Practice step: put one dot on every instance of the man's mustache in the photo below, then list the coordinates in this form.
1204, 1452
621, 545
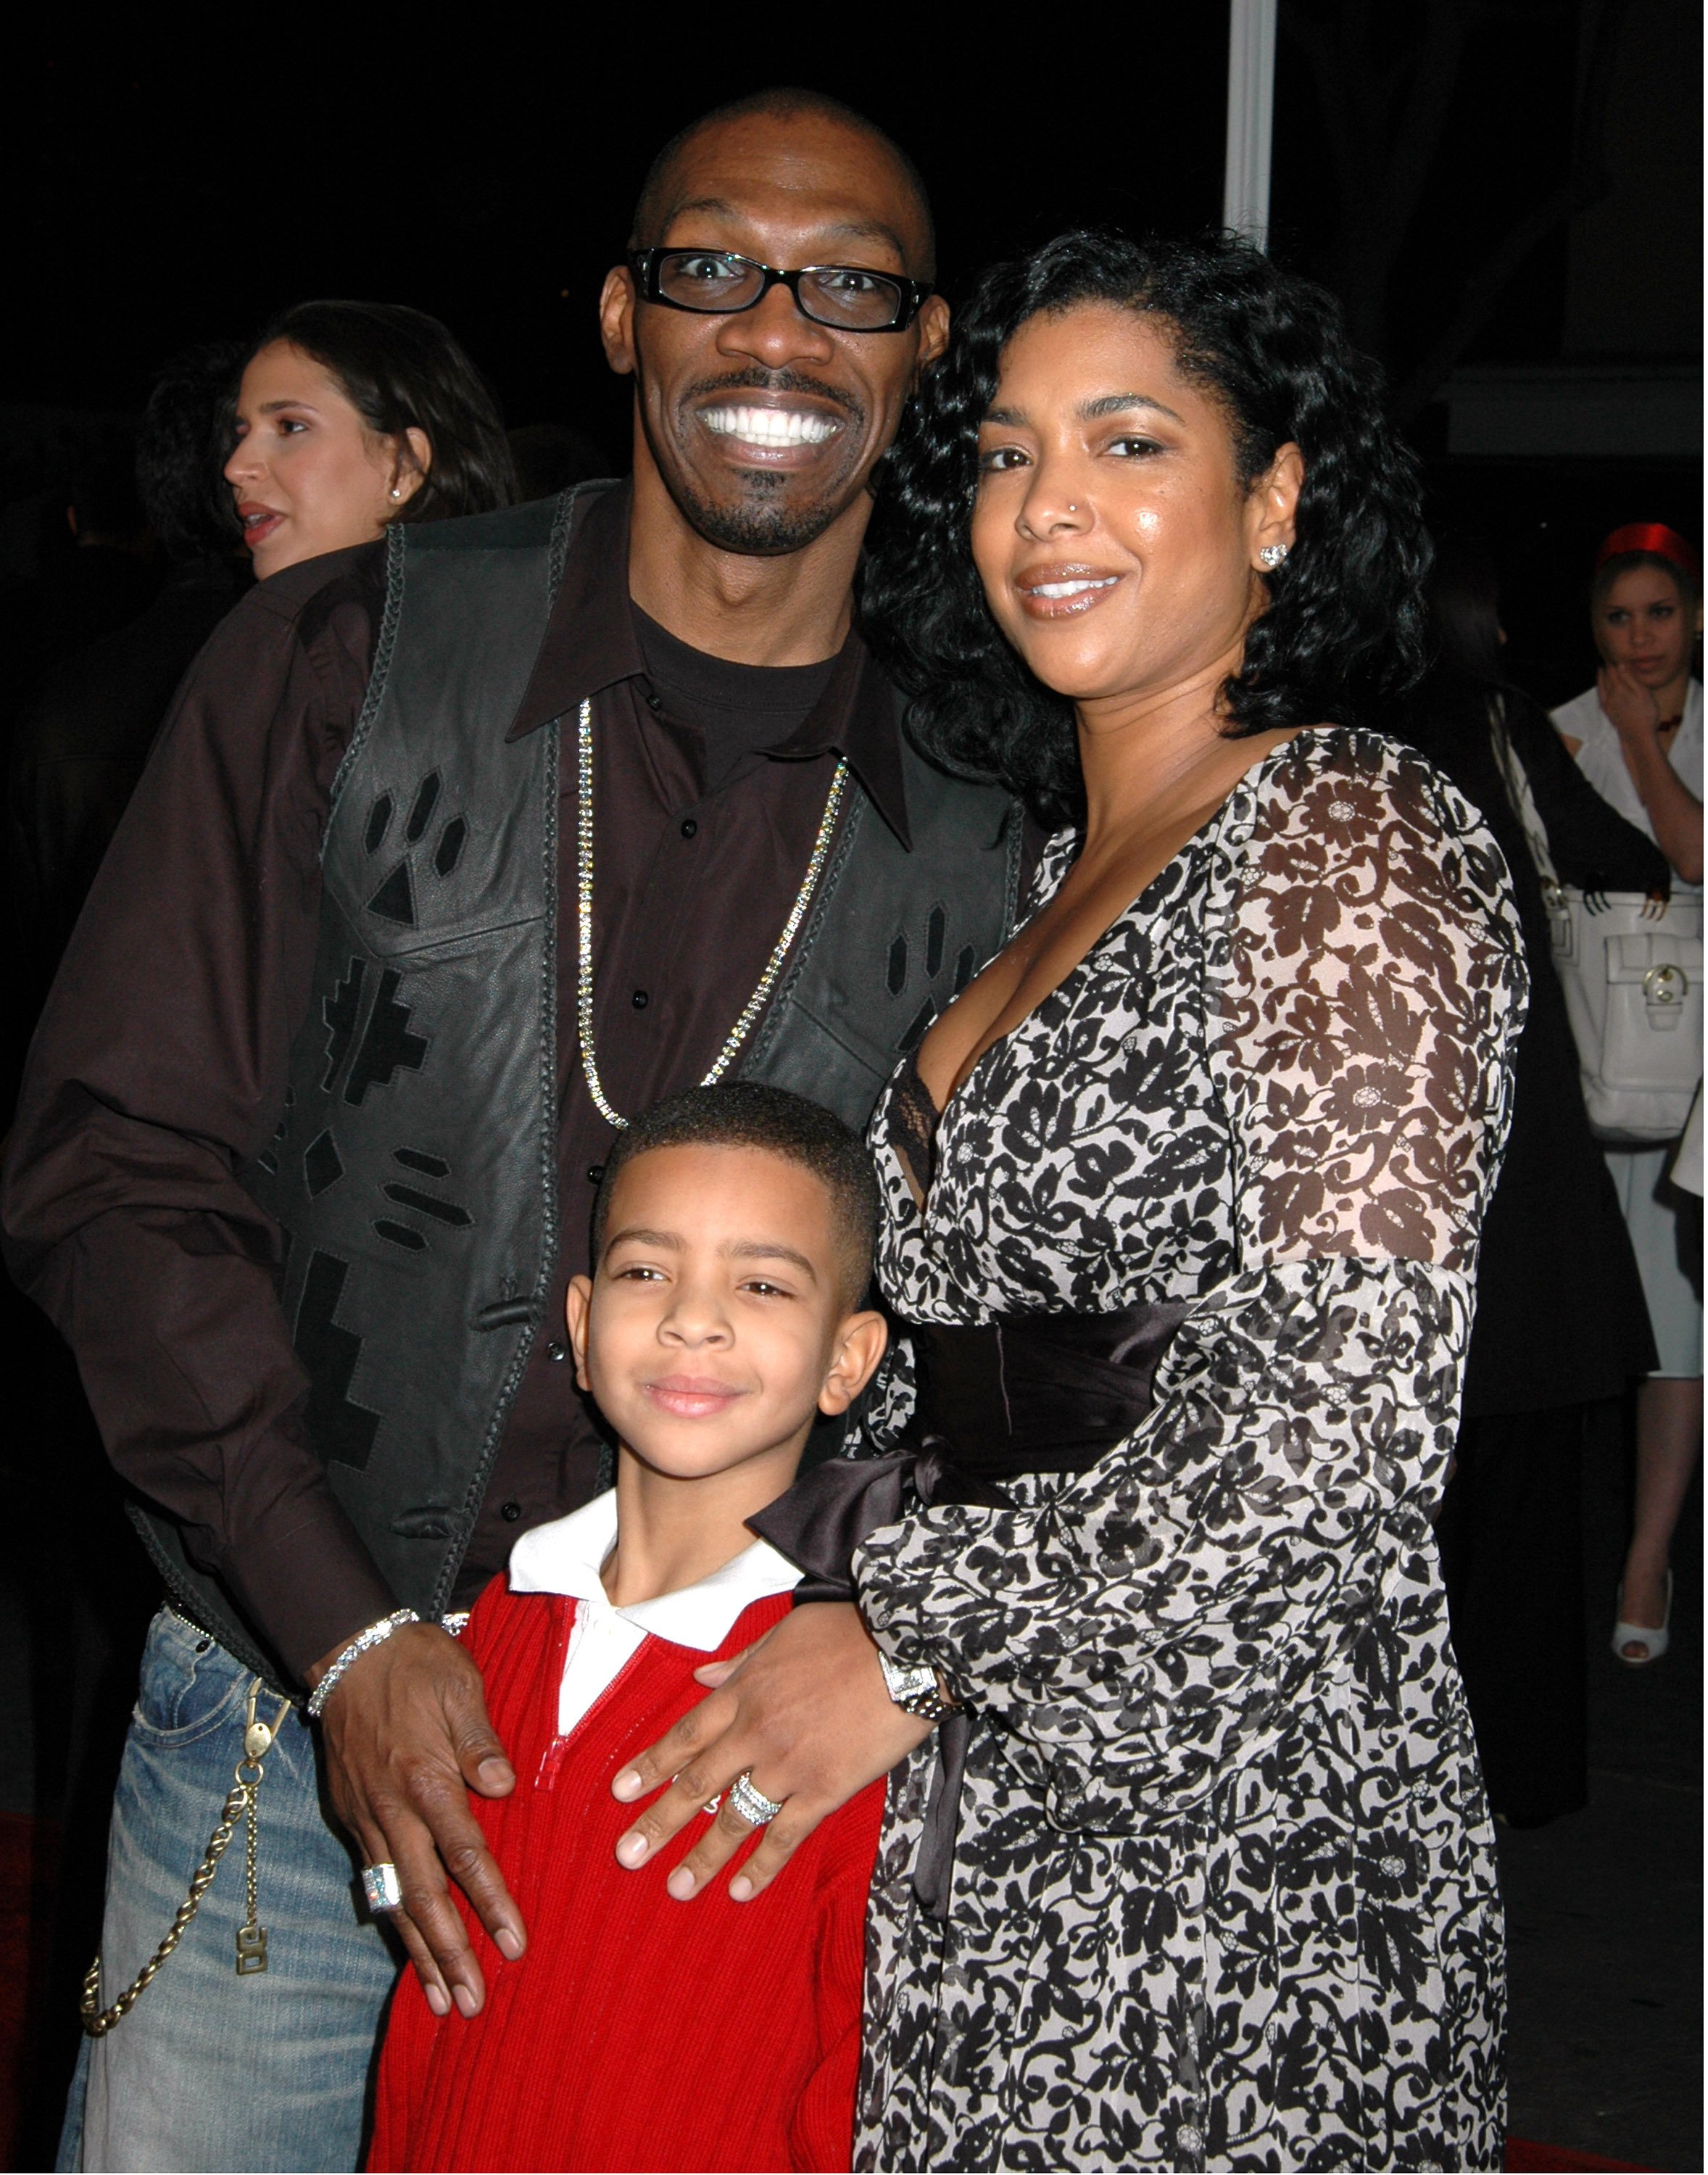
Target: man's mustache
756, 380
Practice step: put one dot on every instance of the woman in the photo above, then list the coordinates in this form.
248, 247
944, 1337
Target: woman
352, 416
1637, 736
1226, 1110
1560, 1324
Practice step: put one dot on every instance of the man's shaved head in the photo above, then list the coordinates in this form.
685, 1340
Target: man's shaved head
660, 196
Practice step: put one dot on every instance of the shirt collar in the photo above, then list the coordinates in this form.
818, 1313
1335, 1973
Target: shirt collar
565, 1556
590, 645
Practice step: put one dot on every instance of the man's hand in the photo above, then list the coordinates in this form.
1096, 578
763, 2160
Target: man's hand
807, 1710
407, 1736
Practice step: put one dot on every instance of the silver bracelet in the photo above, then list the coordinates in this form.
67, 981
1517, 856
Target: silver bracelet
375, 1636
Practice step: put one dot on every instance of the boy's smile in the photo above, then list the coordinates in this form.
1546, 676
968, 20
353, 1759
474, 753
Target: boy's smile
692, 1396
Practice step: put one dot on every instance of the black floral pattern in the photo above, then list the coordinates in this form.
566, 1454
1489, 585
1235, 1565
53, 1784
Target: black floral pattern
1224, 1892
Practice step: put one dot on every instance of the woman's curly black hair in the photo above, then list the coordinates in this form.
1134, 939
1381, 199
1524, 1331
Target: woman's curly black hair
1343, 635
402, 370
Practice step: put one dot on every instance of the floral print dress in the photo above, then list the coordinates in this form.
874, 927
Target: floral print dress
1224, 1886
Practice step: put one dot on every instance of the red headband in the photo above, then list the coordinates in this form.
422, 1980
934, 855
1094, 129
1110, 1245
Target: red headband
1654, 538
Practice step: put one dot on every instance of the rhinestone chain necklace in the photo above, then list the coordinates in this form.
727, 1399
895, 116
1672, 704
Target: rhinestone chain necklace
755, 1004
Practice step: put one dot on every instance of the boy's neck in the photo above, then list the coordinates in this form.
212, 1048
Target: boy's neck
672, 1532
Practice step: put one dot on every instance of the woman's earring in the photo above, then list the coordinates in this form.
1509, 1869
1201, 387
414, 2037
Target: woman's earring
1271, 555
396, 492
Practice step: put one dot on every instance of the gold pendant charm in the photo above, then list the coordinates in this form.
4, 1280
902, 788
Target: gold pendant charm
252, 1949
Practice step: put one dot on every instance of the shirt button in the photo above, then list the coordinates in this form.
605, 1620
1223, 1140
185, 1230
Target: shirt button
689, 826
654, 702
595, 1172
557, 1349
639, 1000
509, 1511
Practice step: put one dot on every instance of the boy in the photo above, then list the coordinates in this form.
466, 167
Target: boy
732, 1246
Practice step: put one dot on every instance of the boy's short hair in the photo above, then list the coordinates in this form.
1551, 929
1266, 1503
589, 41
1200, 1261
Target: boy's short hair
745, 1114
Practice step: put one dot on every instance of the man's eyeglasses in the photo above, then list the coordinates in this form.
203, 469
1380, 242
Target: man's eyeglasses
715, 283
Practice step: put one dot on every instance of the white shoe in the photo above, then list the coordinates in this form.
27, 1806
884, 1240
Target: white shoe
1653, 1642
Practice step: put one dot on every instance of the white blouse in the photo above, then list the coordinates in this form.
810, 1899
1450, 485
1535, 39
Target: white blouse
1603, 762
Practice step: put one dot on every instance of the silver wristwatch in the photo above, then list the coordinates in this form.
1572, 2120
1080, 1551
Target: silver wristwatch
917, 1688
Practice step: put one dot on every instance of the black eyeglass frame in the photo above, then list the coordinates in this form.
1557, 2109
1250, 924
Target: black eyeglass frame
646, 265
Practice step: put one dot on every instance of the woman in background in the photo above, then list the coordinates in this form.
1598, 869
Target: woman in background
1560, 1323
1637, 736
352, 416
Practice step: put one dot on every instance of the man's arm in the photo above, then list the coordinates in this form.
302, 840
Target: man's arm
158, 1069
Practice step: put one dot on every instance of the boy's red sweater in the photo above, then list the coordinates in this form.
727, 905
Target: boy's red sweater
636, 2032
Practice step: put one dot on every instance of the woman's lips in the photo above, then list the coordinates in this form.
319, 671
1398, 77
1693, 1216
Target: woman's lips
259, 522
1064, 592
691, 1396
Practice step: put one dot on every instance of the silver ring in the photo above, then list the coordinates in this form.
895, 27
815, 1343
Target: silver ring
753, 1805
382, 1887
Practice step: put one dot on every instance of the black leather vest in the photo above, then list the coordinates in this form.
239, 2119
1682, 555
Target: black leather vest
414, 1171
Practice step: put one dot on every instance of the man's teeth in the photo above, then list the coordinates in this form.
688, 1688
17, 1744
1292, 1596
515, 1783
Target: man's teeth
769, 427
1071, 588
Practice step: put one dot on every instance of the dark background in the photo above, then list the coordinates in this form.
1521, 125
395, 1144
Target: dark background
1487, 183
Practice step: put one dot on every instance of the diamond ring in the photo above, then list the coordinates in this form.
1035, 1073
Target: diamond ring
753, 1805
382, 1887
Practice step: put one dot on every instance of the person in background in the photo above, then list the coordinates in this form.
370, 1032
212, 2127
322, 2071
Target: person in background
112, 572
1637, 736
97, 569
351, 416
81, 740
1560, 1323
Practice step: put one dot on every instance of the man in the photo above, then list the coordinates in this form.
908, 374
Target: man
456, 851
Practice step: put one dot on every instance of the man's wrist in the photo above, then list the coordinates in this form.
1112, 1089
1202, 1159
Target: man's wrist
364, 1642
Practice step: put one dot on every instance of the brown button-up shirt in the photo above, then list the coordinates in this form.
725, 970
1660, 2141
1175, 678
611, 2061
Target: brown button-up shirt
159, 1069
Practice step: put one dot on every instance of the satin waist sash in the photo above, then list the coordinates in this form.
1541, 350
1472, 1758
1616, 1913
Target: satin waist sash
1026, 1393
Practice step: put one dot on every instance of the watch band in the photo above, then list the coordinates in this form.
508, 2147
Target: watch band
917, 1688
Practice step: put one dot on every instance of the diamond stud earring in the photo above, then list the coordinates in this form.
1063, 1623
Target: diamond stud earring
1271, 555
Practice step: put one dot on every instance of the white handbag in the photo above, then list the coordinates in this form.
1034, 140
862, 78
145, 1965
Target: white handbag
1631, 970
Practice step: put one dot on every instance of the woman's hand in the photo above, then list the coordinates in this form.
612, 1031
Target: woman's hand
1630, 706
1675, 814
807, 1710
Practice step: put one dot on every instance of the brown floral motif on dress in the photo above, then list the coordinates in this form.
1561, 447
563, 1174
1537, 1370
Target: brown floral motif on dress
1224, 1893
1356, 1017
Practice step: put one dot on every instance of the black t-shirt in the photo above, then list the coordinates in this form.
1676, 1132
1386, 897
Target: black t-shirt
741, 709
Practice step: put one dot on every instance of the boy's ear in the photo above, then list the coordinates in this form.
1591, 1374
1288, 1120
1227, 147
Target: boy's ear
859, 1345
577, 1302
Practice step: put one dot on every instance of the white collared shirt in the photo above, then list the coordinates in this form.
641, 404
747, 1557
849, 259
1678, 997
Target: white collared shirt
566, 1556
